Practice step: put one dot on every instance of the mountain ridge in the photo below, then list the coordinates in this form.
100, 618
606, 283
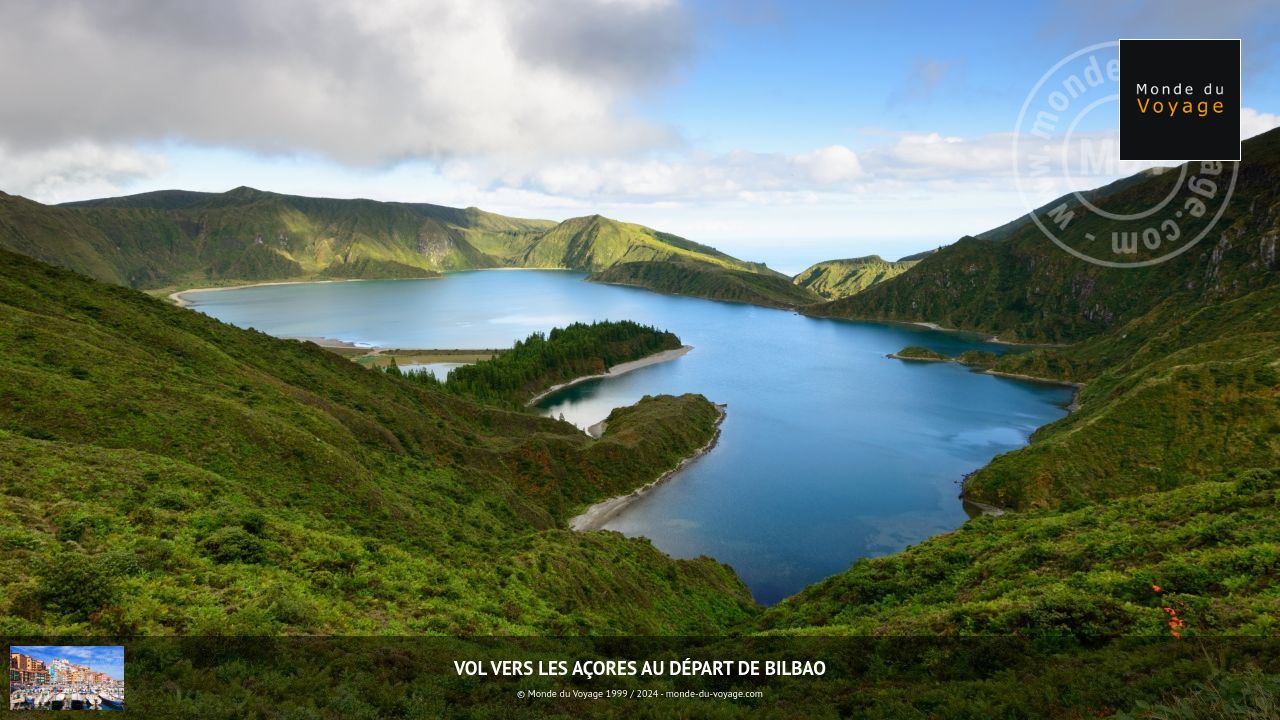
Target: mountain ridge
833, 279
1013, 282
179, 238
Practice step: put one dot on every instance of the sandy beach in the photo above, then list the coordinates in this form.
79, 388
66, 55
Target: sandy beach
177, 297
594, 517
619, 369
180, 301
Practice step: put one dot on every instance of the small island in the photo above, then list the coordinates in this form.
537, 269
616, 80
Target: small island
919, 354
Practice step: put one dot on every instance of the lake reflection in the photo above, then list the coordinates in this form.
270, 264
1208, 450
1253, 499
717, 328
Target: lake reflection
830, 451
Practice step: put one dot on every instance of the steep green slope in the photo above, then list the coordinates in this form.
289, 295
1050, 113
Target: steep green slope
595, 243
705, 280
178, 238
126, 246
832, 279
1211, 547
1026, 288
165, 473
1166, 475
1177, 397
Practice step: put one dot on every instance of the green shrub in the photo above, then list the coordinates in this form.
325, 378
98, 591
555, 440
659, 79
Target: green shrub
233, 544
75, 584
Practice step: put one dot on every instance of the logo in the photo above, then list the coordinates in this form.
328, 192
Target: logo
1110, 212
1180, 99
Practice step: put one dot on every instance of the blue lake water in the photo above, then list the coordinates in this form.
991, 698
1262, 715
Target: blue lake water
830, 451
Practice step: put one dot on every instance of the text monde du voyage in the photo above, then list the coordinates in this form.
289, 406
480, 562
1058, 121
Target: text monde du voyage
1180, 99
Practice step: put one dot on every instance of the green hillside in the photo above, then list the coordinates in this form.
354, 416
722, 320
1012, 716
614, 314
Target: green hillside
595, 243
177, 238
1171, 398
165, 473
1086, 574
706, 280
1166, 474
832, 279
1148, 512
1025, 288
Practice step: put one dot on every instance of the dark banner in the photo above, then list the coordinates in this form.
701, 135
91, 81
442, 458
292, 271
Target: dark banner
360, 677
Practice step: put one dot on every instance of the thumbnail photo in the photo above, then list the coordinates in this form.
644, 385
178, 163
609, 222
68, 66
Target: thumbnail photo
66, 677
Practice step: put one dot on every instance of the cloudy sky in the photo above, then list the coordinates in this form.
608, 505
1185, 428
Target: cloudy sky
780, 131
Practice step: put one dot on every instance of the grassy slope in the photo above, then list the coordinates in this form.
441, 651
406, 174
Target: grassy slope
595, 243
1025, 288
178, 238
215, 480
1181, 377
1171, 398
832, 279
1212, 547
1166, 475
705, 280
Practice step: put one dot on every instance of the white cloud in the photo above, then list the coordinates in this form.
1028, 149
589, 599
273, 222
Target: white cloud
1253, 122
692, 177
829, 165
364, 83
76, 170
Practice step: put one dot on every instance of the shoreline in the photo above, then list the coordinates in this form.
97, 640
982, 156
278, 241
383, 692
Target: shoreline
595, 516
619, 369
176, 296
1072, 406
984, 509
788, 308
988, 338
1033, 378
907, 358
180, 301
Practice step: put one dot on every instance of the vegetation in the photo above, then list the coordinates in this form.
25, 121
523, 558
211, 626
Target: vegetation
1014, 283
185, 239
596, 243
1085, 574
978, 358
165, 473
542, 360
1170, 399
705, 280
1148, 512
916, 352
834, 279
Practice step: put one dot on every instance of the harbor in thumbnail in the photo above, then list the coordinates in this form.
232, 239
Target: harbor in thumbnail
66, 677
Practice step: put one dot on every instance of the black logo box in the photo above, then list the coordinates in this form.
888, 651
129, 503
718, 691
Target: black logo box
1185, 67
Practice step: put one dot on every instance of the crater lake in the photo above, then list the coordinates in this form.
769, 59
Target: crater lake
829, 451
